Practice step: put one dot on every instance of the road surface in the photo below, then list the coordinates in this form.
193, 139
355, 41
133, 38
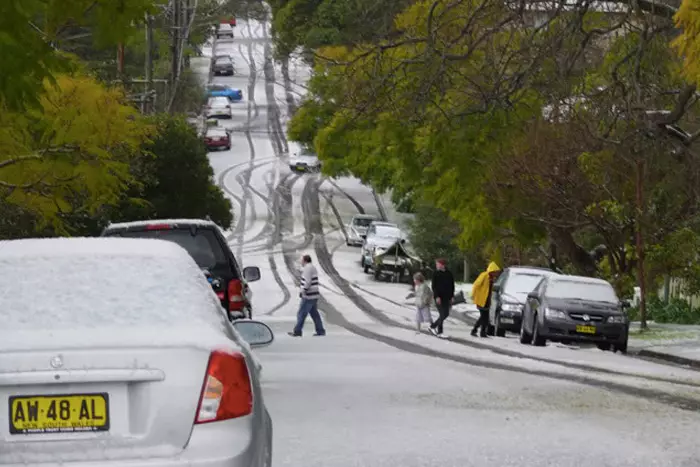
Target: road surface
374, 393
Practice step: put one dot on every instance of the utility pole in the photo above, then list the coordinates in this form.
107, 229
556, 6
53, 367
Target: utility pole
148, 72
641, 277
175, 47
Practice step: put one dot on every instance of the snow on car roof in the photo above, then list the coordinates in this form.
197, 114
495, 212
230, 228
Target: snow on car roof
145, 223
556, 278
101, 283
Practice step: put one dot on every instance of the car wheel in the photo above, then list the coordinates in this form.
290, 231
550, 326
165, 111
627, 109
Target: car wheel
620, 347
499, 331
537, 340
604, 346
377, 274
525, 337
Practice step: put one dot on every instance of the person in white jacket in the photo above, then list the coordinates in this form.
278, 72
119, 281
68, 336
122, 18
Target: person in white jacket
309, 294
424, 296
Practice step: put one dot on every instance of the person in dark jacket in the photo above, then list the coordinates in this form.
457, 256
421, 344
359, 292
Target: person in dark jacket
443, 291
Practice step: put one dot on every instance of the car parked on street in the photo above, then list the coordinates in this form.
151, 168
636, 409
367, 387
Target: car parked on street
205, 242
380, 236
221, 90
304, 162
217, 138
225, 30
509, 295
219, 107
116, 352
357, 228
575, 309
223, 66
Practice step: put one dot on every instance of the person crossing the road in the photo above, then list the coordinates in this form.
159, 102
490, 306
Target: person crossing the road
309, 295
443, 292
481, 296
423, 297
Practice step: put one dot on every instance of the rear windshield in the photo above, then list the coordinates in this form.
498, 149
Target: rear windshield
593, 291
362, 222
388, 232
204, 247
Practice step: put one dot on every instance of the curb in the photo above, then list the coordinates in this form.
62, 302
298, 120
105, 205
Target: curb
668, 357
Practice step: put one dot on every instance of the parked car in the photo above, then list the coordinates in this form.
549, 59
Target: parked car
206, 243
380, 236
217, 138
304, 162
357, 229
223, 66
509, 296
224, 30
219, 107
575, 309
220, 90
116, 352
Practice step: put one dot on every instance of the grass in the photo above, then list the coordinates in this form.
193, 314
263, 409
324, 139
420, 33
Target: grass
663, 334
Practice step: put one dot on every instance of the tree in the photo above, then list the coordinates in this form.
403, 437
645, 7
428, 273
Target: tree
33, 31
177, 181
72, 152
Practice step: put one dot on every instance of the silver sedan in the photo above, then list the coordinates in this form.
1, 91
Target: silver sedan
116, 352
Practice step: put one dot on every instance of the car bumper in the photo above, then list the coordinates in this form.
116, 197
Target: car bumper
302, 168
568, 331
218, 144
223, 72
357, 241
230, 443
219, 113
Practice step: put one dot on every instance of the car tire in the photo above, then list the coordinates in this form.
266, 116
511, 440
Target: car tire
604, 346
525, 337
621, 347
537, 340
499, 331
228, 148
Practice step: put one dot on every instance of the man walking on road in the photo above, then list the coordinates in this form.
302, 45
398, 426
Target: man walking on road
309, 299
443, 292
481, 296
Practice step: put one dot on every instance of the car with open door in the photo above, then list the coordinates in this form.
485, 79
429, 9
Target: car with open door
575, 309
116, 352
205, 242
509, 295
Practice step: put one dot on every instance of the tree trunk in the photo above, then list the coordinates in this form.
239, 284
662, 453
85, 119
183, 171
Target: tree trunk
640, 245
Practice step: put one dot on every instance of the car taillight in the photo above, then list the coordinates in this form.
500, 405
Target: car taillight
226, 392
235, 295
157, 226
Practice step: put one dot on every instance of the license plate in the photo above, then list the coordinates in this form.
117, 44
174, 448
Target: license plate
507, 321
585, 329
59, 413
300, 167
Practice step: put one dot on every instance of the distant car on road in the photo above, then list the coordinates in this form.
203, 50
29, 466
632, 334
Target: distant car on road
116, 352
380, 236
304, 162
224, 30
509, 296
231, 20
575, 309
223, 66
217, 138
220, 90
219, 107
204, 241
357, 229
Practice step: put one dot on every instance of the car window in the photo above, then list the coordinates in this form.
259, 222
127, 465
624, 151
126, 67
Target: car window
388, 232
217, 87
522, 283
204, 247
593, 291
216, 132
218, 101
362, 222
223, 61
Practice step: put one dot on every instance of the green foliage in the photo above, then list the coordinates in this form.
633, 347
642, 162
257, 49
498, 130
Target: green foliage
677, 311
179, 179
30, 28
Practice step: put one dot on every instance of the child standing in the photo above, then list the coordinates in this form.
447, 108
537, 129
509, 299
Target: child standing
423, 298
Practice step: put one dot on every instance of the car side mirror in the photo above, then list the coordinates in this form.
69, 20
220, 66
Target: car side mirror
251, 273
255, 333
496, 288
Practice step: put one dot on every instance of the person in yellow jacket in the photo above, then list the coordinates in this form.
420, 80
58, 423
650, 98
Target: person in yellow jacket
481, 296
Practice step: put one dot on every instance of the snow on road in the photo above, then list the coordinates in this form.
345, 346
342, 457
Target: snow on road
373, 392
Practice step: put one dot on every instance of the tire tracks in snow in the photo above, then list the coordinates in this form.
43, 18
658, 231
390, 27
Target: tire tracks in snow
311, 207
